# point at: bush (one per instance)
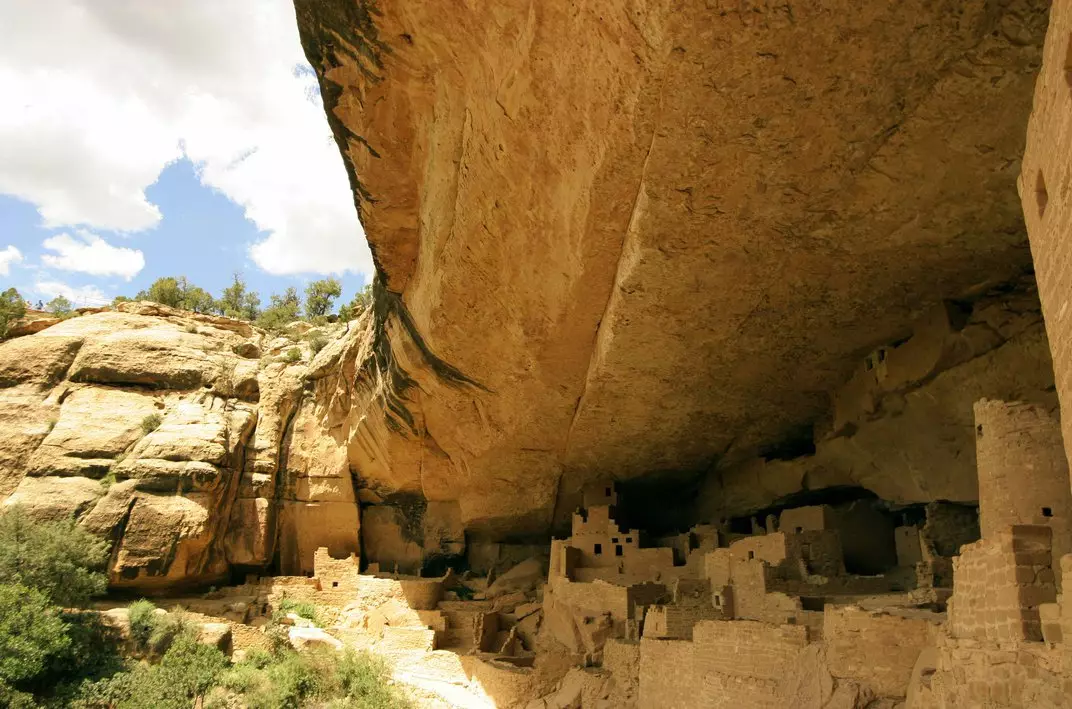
(150, 423)
(60, 559)
(293, 355)
(31, 633)
(186, 673)
(143, 621)
(317, 342)
(365, 680)
(320, 296)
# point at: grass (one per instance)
(292, 355)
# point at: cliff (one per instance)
(649, 239)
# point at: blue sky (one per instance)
(153, 139)
(202, 235)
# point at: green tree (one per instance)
(233, 300)
(362, 301)
(166, 291)
(12, 307)
(320, 296)
(283, 310)
(123, 299)
(31, 633)
(198, 300)
(60, 306)
(60, 559)
(251, 306)
(186, 673)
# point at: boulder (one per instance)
(304, 638)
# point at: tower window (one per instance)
(597, 549)
(1047, 512)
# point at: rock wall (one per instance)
(184, 438)
(643, 237)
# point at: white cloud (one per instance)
(91, 254)
(100, 95)
(80, 296)
(9, 256)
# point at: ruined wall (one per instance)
(876, 648)
(728, 664)
(1045, 187)
(999, 584)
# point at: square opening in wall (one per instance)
(597, 549)
(1047, 512)
(799, 530)
(751, 555)
(1068, 62)
(334, 584)
(628, 540)
(618, 550)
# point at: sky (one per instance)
(144, 139)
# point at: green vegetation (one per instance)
(320, 296)
(362, 301)
(317, 341)
(150, 423)
(46, 650)
(292, 355)
(12, 307)
(60, 307)
(58, 559)
(283, 310)
(56, 657)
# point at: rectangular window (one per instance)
(618, 550)
(628, 540)
(615, 540)
(597, 549)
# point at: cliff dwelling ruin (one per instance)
(717, 358)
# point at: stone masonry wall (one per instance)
(877, 648)
(1045, 187)
(999, 584)
(1023, 472)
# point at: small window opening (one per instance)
(628, 540)
(1068, 62)
(979, 430)
(869, 364)
(718, 601)
(799, 530)
(334, 584)
(608, 492)
(1047, 512)
(597, 549)
(614, 539)
(882, 355)
(751, 555)
(617, 550)
(1042, 197)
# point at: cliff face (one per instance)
(186, 439)
(652, 237)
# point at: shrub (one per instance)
(60, 559)
(293, 355)
(186, 673)
(305, 609)
(168, 630)
(317, 342)
(283, 310)
(143, 621)
(366, 680)
(109, 479)
(150, 423)
(31, 633)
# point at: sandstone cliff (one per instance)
(651, 237)
(187, 439)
